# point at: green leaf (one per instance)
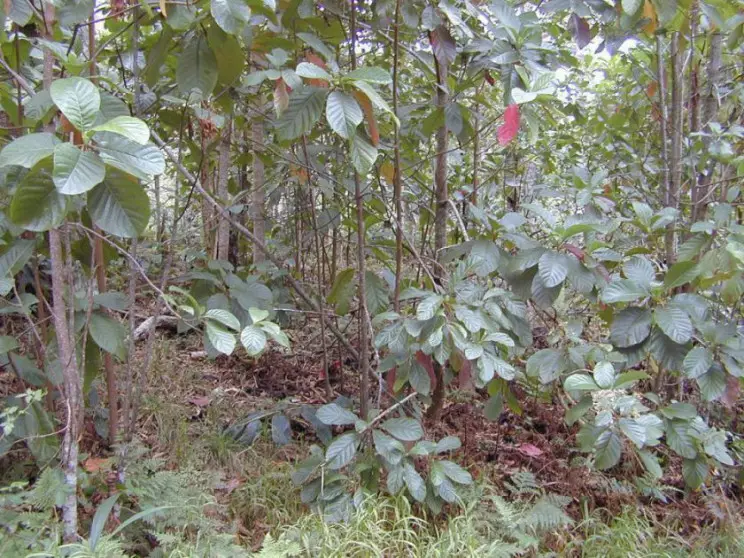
(370, 74)
(335, 415)
(552, 269)
(342, 450)
(548, 364)
(623, 290)
(142, 161)
(608, 448)
(127, 126)
(680, 274)
(414, 483)
(455, 473)
(253, 339)
(302, 113)
(674, 322)
(196, 72)
(28, 150)
(580, 382)
(447, 491)
(221, 339)
(679, 440)
(376, 293)
(15, 257)
(79, 101)
(119, 205)
(223, 317)
(311, 71)
(448, 443)
(697, 362)
(108, 334)
(626, 379)
(7, 343)
(343, 113)
(257, 314)
(640, 270)
(679, 410)
(651, 464)
(230, 15)
(231, 60)
(76, 171)
(363, 154)
(630, 327)
(604, 374)
(631, 7)
(406, 429)
(485, 255)
(36, 204)
(388, 447)
(428, 307)
(635, 431)
(695, 472)
(419, 378)
(712, 384)
(342, 291)
(579, 410)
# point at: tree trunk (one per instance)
(223, 177)
(259, 193)
(440, 220)
(675, 159)
(361, 263)
(700, 192)
(397, 186)
(663, 122)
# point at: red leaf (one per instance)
(530, 450)
(580, 29)
(443, 45)
(489, 78)
(731, 395)
(508, 130)
(281, 96)
(200, 401)
(465, 377)
(426, 361)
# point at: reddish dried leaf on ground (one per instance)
(530, 450)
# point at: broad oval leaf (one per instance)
(143, 161)
(609, 449)
(697, 362)
(630, 327)
(640, 270)
(79, 101)
(580, 382)
(334, 414)
(674, 322)
(363, 154)
(552, 269)
(223, 317)
(36, 204)
(604, 374)
(311, 71)
(230, 15)
(28, 150)
(221, 339)
(119, 205)
(107, 333)
(196, 72)
(303, 111)
(76, 171)
(343, 113)
(342, 450)
(370, 74)
(624, 290)
(406, 429)
(253, 339)
(127, 126)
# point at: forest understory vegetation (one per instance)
(385, 278)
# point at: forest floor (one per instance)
(190, 400)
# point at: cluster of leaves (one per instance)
(393, 446)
